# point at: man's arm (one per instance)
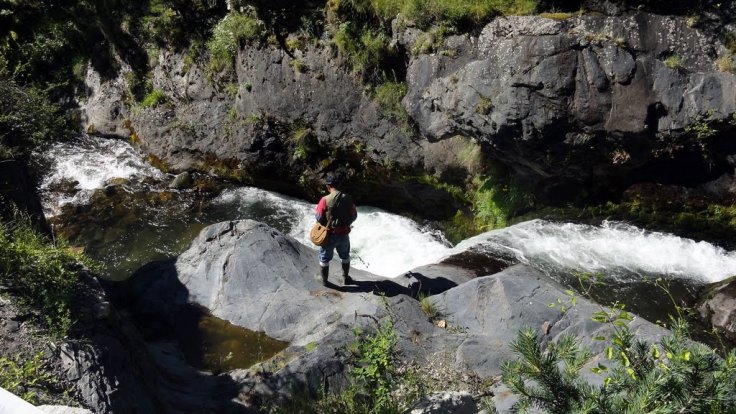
(320, 211)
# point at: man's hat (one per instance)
(331, 179)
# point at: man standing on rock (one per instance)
(338, 209)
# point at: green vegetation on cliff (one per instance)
(40, 274)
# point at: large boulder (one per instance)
(258, 278)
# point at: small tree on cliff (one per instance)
(674, 376)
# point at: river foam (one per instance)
(613, 248)
(382, 243)
(91, 163)
(389, 245)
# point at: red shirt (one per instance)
(321, 210)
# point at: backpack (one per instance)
(340, 208)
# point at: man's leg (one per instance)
(325, 255)
(343, 251)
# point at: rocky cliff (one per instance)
(598, 100)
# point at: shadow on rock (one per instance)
(157, 302)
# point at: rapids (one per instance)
(382, 243)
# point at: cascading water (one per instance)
(617, 249)
(88, 164)
(382, 243)
(138, 220)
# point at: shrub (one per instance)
(496, 201)
(27, 119)
(233, 31)
(23, 374)
(676, 376)
(726, 64)
(42, 275)
(428, 307)
(153, 99)
(673, 61)
(388, 96)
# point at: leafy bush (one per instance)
(676, 376)
(388, 96)
(364, 49)
(673, 61)
(231, 33)
(42, 275)
(453, 12)
(28, 119)
(23, 374)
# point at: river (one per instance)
(382, 243)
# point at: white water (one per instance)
(92, 162)
(381, 242)
(614, 248)
(389, 245)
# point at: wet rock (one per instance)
(102, 310)
(182, 181)
(445, 402)
(718, 307)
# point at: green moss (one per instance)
(485, 105)
(388, 96)
(154, 98)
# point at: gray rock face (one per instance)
(719, 308)
(445, 403)
(492, 309)
(234, 126)
(531, 86)
(258, 278)
(254, 276)
(592, 98)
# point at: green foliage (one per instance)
(153, 99)
(673, 61)
(42, 275)
(454, 12)
(228, 36)
(428, 307)
(675, 376)
(730, 41)
(299, 65)
(726, 64)
(364, 49)
(496, 201)
(388, 96)
(701, 129)
(24, 375)
(375, 366)
(27, 119)
(484, 106)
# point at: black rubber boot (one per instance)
(325, 271)
(346, 280)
